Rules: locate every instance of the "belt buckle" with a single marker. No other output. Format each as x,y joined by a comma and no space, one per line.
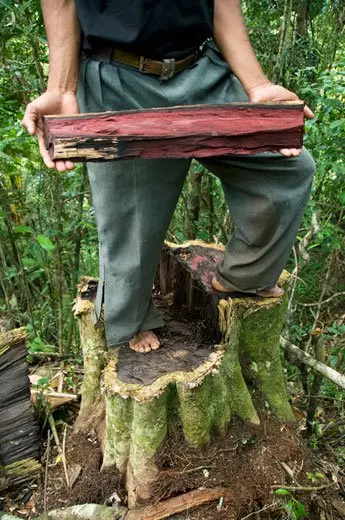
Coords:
168,69
142,65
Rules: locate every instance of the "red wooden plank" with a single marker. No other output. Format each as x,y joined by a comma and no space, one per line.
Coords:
191,131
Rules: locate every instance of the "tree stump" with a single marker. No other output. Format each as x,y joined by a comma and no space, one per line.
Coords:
19,434
195,381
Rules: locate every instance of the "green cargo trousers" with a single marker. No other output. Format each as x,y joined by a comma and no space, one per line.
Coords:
134,199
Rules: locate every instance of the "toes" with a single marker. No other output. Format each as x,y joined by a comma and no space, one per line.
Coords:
136,346
217,286
144,342
140,346
275,292
146,347
155,345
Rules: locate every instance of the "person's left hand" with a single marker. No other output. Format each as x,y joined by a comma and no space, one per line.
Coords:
269,92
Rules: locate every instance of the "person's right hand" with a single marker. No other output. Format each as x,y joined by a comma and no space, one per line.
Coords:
51,102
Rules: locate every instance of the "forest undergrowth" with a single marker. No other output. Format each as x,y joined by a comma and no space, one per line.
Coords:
48,238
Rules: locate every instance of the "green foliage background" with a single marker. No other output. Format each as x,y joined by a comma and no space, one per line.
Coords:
47,232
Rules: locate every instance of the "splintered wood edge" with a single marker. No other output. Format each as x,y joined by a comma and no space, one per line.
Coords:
12,338
191,243
279,105
284,278
113,386
83,285
80,305
229,311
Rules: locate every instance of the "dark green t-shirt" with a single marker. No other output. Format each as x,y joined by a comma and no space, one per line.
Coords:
151,28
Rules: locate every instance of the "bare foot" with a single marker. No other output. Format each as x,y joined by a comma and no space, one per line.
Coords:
145,341
274,292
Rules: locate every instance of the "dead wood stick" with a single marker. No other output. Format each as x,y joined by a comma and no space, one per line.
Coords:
319,350
46,475
64,455
323,302
183,471
178,504
303,488
269,506
54,432
310,361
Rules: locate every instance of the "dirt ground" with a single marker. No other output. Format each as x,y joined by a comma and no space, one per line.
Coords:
248,461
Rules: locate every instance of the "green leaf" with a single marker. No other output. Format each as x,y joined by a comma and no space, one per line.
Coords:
300,510
311,476
337,123
23,229
281,491
43,381
7,158
45,243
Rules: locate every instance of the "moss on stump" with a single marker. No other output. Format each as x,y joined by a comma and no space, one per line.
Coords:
145,401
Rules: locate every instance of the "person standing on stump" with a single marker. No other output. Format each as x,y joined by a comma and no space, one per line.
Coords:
145,54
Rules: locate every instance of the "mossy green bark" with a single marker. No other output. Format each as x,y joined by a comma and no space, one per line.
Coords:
12,338
149,429
118,413
195,412
93,345
202,400
210,406
18,472
260,334
134,434
237,393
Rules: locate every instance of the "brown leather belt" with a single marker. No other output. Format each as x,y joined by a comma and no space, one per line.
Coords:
165,69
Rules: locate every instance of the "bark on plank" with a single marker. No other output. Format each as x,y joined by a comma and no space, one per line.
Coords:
182,132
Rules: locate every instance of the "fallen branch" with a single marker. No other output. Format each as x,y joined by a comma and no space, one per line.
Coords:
304,488
269,506
46,475
323,302
64,455
304,243
54,432
178,504
307,359
319,351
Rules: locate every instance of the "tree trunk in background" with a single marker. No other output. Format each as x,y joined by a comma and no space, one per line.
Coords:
284,37
302,19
